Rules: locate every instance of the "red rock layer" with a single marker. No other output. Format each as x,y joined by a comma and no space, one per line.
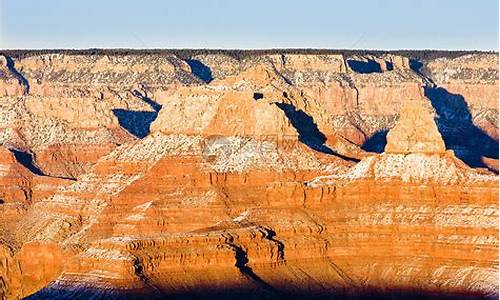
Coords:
274,234
246,185
177,227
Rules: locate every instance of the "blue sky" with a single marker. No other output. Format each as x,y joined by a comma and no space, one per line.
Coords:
363,24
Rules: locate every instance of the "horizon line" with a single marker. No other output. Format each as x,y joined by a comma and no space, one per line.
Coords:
249,49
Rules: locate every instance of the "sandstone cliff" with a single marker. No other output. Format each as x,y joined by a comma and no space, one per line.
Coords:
266,176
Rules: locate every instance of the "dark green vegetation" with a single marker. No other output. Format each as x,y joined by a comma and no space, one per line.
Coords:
241,54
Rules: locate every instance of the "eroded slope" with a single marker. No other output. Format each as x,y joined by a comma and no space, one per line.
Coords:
251,177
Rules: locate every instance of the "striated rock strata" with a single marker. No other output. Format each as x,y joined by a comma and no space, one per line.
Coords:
262,176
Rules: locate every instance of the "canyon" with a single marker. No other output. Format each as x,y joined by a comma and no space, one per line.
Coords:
260,175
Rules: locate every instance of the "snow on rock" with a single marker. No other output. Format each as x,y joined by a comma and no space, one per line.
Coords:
242,217
411,168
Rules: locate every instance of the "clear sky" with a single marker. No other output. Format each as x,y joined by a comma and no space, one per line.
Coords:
362,24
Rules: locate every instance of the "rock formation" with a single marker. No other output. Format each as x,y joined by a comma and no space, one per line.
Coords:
464,91
261,176
415,131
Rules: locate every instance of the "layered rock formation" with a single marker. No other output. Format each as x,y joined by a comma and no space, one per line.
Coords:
415,131
76,109
129,176
465,95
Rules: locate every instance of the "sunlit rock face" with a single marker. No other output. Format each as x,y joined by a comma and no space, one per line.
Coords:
269,175
415,130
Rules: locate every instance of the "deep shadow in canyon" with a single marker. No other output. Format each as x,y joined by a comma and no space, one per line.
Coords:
20,77
200,70
376,143
138,122
364,67
308,131
81,293
26,159
454,121
459,133
135,122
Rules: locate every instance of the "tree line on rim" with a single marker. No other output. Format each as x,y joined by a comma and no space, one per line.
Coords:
241,53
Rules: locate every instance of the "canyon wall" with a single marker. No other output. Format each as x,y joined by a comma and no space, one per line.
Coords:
264,176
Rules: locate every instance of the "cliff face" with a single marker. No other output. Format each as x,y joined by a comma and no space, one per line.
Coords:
465,92
266,176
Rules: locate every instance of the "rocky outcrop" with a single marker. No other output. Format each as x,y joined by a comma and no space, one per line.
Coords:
19,180
465,97
85,102
256,103
415,131
415,152
15,179
253,177
473,76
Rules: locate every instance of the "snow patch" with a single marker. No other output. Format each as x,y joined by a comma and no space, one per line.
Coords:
415,168
242,217
143,207
111,254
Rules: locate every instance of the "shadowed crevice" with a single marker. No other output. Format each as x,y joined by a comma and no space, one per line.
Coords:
27,160
308,131
257,96
200,70
416,66
136,122
139,272
376,143
241,263
364,67
20,77
154,105
454,121
459,133
270,235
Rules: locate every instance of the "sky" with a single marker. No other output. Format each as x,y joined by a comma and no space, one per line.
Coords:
251,24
